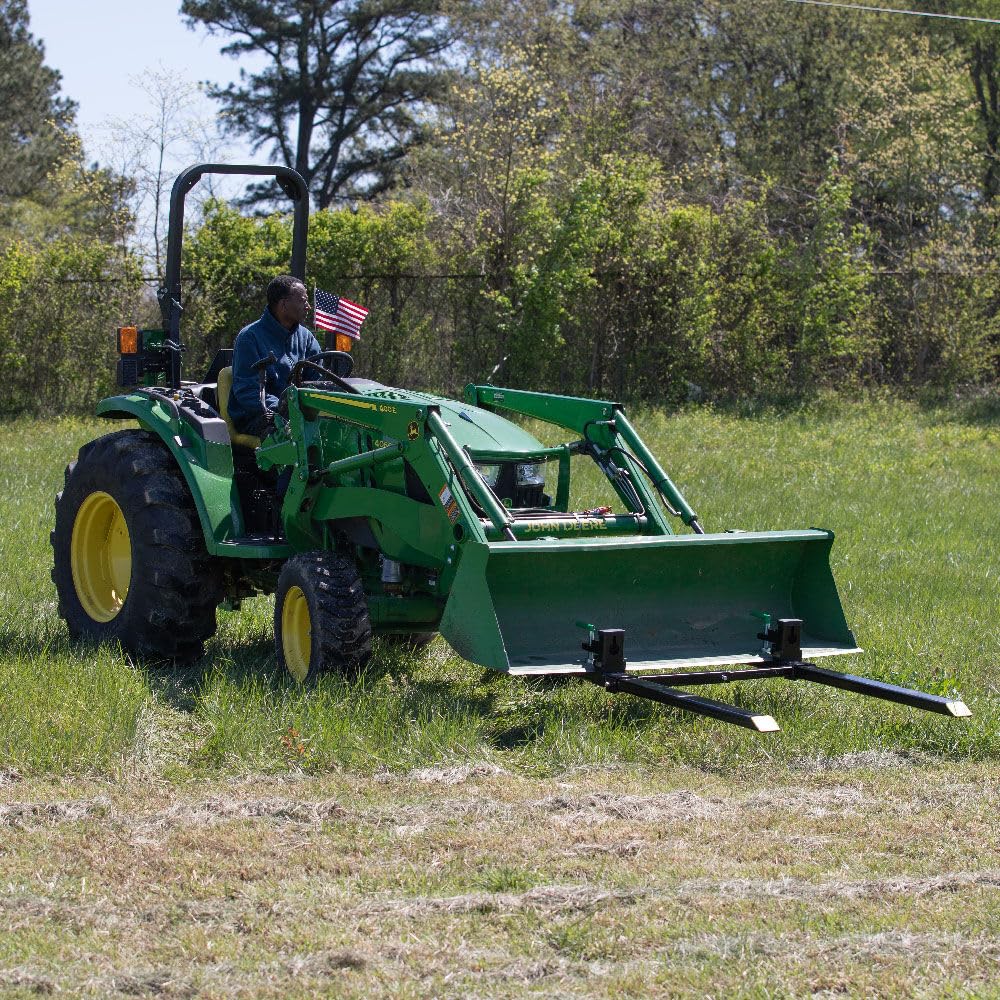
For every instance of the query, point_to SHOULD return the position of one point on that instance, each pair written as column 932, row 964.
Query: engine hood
column 472, row 426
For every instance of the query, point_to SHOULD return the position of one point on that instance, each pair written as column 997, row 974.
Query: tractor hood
column 472, row 426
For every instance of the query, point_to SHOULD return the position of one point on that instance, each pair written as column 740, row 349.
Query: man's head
column 288, row 300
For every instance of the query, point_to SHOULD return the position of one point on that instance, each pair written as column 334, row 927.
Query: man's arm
column 246, row 385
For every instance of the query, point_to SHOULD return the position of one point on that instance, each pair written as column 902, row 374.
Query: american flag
column 340, row 315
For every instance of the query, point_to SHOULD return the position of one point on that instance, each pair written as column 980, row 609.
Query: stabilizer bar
column 608, row 649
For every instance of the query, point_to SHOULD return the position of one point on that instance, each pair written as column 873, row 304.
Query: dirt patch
column 156, row 983
column 815, row 803
column 805, row 891
column 15, row 979
column 622, row 849
column 27, row 815
column 541, row 900
column 604, row 807
column 457, row 775
column 326, row 963
column 219, row 809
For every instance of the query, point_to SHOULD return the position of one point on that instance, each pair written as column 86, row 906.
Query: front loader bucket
column 683, row 600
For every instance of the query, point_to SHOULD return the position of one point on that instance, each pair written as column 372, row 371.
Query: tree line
column 658, row 201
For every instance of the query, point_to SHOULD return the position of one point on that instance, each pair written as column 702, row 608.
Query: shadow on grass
column 253, row 664
column 44, row 637
column 984, row 409
column 407, row 706
column 979, row 408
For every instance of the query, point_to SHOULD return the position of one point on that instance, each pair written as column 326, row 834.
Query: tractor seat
column 222, row 393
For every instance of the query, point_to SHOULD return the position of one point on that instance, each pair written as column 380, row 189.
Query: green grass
column 911, row 493
column 434, row 829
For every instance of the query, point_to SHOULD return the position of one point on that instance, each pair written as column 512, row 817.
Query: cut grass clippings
column 671, row 882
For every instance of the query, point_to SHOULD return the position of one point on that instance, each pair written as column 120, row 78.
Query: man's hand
column 260, row 367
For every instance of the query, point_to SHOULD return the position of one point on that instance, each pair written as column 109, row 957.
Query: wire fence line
column 865, row 9
column 492, row 276
column 633, row 336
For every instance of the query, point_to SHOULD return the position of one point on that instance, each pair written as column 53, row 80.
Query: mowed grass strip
column 912, row 496
column 878, row 880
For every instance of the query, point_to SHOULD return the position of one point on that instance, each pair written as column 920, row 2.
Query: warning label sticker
column 449, row 504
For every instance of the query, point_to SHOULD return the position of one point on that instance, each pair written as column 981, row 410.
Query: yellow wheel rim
column 296, row 633
column 100, row 556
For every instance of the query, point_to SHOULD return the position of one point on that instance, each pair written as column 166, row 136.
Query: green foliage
column 59, row 306
column 72, row 202
column 375, row 255
column 943, row 327
column 831, row 304
column 66, row 279
column 739, row 102
column 606, row 281
column 227, row 263
column 603, row 283
column 655, row 202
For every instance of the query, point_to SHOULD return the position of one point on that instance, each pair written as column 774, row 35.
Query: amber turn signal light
column 128, row 340
column 344, row 343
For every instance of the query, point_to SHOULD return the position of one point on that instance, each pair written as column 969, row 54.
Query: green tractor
column 407, row 514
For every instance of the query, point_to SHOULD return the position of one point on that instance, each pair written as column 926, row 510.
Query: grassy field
column 435, row 830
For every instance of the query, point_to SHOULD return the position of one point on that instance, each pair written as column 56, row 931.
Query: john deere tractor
column 407, row 514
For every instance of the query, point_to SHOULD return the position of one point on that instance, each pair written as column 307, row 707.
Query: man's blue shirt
column 256, row 341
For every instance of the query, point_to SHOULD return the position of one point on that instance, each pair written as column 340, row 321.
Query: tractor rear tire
column 321, row 617
column 130, row 563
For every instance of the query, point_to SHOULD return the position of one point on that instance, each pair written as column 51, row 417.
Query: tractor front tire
column 130, row 563
column 321, row 617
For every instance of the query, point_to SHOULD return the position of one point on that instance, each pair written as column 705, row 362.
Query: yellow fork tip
column 959, row 709
column 765, row 724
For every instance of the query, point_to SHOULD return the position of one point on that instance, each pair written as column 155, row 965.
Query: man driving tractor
column 278, row 332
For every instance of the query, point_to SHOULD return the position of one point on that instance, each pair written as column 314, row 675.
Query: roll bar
column 169, row 296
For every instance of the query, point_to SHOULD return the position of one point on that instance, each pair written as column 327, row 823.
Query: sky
column 100, row 46
column 103, row 49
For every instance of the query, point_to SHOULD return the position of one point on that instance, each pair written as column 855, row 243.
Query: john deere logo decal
column 413, row 430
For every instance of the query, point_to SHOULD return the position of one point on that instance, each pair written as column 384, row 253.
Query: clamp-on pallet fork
column 782, row 642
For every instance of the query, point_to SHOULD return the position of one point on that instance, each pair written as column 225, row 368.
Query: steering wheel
column 341, row 360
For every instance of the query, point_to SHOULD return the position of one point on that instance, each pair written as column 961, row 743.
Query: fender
column 200, row 446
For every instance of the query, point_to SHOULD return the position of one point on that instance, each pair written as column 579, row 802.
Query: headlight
column 490, row 474
column 530, row 474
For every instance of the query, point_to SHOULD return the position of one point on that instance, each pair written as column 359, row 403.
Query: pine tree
column 340, row 96
column 34, row 119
